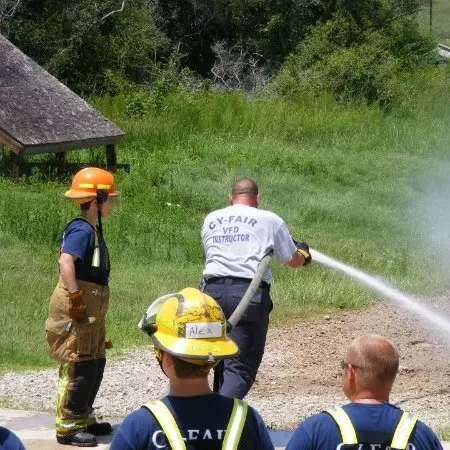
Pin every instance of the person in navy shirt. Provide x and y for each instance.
(369, 422)
(188, 330)
(75, 327)
(9, 441)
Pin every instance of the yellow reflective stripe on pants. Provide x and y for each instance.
(235, 425)
(64, 424)
(172, 431)
(403, 431)
(345, 425)
(168, 424)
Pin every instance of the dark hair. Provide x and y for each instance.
(85, 206)
(102, 197)
(186, 369)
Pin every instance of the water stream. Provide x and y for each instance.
(383, 288)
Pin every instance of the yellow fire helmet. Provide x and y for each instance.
(189, 325)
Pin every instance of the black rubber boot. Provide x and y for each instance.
(78, 439)
(100, 428)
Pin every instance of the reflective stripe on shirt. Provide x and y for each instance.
(345, 425)
(401, 436)
(168, 424)
(403, 431)
(171, 430)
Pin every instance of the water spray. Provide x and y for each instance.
(383, 288)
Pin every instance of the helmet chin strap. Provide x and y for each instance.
(99, 218)
(100, 201)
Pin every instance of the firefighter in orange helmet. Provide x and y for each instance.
(75, 328)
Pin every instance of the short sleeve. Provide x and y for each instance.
(424, 437)
(138, 430)
(10, 440)
(265, 443)
(76, 240)
(300, 439)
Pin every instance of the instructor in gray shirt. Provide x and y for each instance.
(235, 239)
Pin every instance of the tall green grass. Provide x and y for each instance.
(343, 178)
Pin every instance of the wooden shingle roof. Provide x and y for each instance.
(40, 114)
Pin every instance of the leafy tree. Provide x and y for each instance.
(80, 41)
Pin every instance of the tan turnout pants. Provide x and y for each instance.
(80, 349)
(71, 341)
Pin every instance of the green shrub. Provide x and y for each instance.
(356, 64)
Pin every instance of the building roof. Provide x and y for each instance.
(40, 114)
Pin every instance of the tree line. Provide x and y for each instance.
(353, 48)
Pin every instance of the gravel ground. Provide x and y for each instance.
(300, 373)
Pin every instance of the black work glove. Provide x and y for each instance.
(303, 249)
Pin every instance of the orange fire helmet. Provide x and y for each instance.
(88, 182)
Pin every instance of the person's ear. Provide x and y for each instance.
(351, 374)
(167, 359)
(230, 199)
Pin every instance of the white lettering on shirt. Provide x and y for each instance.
(208, 434)
(193, 434)
(155, 439)
(230, 220)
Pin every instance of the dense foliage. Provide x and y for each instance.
(356, 49)
(358, 57)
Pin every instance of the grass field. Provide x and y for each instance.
(350, 181)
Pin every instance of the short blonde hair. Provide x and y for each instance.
(376, 357)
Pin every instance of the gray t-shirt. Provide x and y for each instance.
(236, 238)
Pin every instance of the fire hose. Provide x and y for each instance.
(242, 307)
(249, 293)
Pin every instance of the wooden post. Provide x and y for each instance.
(60, 156)
(111, 159)
(15, 165)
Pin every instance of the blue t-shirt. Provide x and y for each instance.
(79, 240)
(320, 431)
(9, 441)
(202, 420)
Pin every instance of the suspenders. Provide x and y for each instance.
(401, 436)
(172, 431)
(95, 262)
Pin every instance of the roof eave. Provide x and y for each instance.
(54, 147)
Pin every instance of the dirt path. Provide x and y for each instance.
(300, 373)
(302, 362)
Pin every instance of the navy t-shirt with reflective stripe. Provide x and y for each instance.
(202, 420)
(320, 431)
(78, 240)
